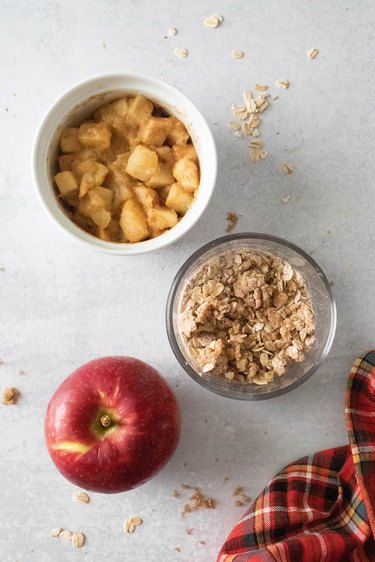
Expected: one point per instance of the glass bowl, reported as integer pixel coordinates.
(322, 300)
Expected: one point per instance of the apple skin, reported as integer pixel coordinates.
(144, 428)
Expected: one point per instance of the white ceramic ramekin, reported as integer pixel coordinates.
(81, 101)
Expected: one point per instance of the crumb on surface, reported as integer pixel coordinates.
(232, 220)
(198, 501)
(11, 395)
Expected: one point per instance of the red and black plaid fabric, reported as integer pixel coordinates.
(320, 508)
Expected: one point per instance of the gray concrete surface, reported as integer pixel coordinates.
(62, 304)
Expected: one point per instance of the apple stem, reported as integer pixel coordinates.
(105, 420)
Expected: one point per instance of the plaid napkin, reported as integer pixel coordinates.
(320, 508)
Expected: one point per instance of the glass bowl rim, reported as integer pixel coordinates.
(169, 316)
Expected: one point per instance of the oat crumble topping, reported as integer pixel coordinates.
(246, 315)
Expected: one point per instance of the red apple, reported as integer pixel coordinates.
(112, 424)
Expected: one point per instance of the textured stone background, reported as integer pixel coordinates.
(62, 304)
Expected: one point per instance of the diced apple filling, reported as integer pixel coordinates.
(142, 163)
(95, 135)
(129, 173)
(179, 199)
(133, 221)
(162, 217)
(186, 173)
(66, 183)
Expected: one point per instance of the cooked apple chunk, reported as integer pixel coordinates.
(155, 130)
(179, 134)
(133, 221)
(95, 135)
(101, 197)
(101, 217)
(65, 162)
(162, 177)
(146, 196)
(66, 183)
(97, 170)
(186, 173)
(87, 182)
(142, 163)
(188, 150)
(69, 141)
(164, 153)
(140, 108)
(161, 218)
(179, 199)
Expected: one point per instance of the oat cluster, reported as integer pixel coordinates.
(76, 539)
(246, 315)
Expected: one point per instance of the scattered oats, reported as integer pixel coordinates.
(78, 540)
(237, 54)
(287, 168)
(312, 53)
(256, 133)
(131, 523)
(172, 31)
(240, 112)
(261, 87)
(238, 134)
(11, 396)
(284, 84)
(56, 532)
(256, 144)
(213, 21)
(232, 220)
(180, 53)
(254, 154)
(263, 154)
(234, 125)
(285, 199)
(66, 535)
(81, 497)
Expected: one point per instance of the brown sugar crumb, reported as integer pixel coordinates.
(243, 499)
(238, 491)
(187, 487)
(178, 549)
(246, 315)
(198, 501)
(11, 395)
(226, 478)
(176, 494)
(189, 530)
(232, 220)
(201, 542)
